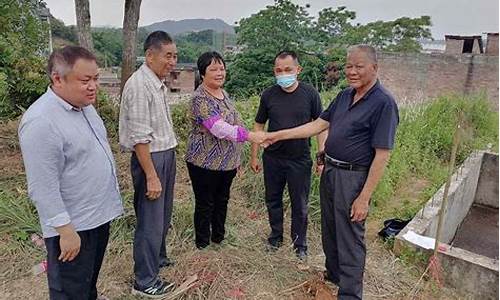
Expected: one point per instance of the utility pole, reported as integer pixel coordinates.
(44, 14)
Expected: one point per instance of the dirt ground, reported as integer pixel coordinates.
(239, 269)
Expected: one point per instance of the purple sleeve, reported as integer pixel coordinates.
(223, 130)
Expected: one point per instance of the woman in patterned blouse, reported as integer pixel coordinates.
(214, 149)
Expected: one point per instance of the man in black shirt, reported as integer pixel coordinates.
(288, 103)
(362, 124)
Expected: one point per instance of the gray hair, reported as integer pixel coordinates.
(61, 61)
(156, 39)
(368, 50)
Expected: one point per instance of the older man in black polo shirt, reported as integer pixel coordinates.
(362, 125)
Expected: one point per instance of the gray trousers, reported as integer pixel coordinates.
(153, 217)
(343, 240)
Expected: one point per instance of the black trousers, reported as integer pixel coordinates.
(211, 192)
(153, 217)
(343, 240)
(297, 174)
(76, 279)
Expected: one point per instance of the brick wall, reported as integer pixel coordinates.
(454, 46)
(492, 45)
(415, 77)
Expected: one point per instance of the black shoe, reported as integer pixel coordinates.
(274, 244)
(201, 247)
(166, 262)
(218, 241)
(158, 290)
(327, 277)
(301, 253)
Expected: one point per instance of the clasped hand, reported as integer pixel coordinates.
(264, 139)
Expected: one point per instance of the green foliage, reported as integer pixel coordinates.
(108, 43)
(23, 44)
(413, 257)
(18, 215)
(58, 29)
(424, 140)
(287, 26)
(189, 52)
(109, 111)
(191, 45)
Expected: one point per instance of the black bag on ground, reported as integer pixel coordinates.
(392, 227)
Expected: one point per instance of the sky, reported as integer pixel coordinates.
(458, 17)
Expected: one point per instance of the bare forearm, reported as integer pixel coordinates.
(375, 173)
(144, 158)
(304, 131)
(255, 147)
(321, 137)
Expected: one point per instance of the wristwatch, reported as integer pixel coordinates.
(320, 158)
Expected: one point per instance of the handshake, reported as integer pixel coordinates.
(263, 138)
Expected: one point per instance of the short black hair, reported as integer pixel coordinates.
(285, 53)
(62, 60)
(156, 39)
(206, 59)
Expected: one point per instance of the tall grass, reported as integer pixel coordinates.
(421, 150)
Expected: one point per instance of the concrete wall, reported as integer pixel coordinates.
(460, 198)
(415, 77)
(487, 186)
(469, 273)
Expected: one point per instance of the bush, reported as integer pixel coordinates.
(424, 139)
(22, 62)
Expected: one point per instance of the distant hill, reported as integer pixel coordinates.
(190, 25)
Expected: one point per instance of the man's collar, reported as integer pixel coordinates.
(67, 106)
(369, 92)
(152, 76)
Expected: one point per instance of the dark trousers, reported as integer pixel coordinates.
(297, 174)
(343, 240)
(153, 217)
(76, 279)
(211, 192)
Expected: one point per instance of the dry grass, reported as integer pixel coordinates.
(239, 269)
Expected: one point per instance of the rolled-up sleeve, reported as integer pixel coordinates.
(42, 150)
(138, 117)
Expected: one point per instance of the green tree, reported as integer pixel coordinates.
(23, 46)
(62, 31)
(108, 46)
(282, 26)
(287, 26)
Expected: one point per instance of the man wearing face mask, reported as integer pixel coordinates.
(288, 103)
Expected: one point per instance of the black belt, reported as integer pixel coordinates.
(344, 165)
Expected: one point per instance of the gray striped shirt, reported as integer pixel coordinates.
(69, 165)
(145, 114)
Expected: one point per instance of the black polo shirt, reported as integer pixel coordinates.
(356, 130)
(286, 110)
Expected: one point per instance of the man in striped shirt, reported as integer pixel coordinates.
(146, 130)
